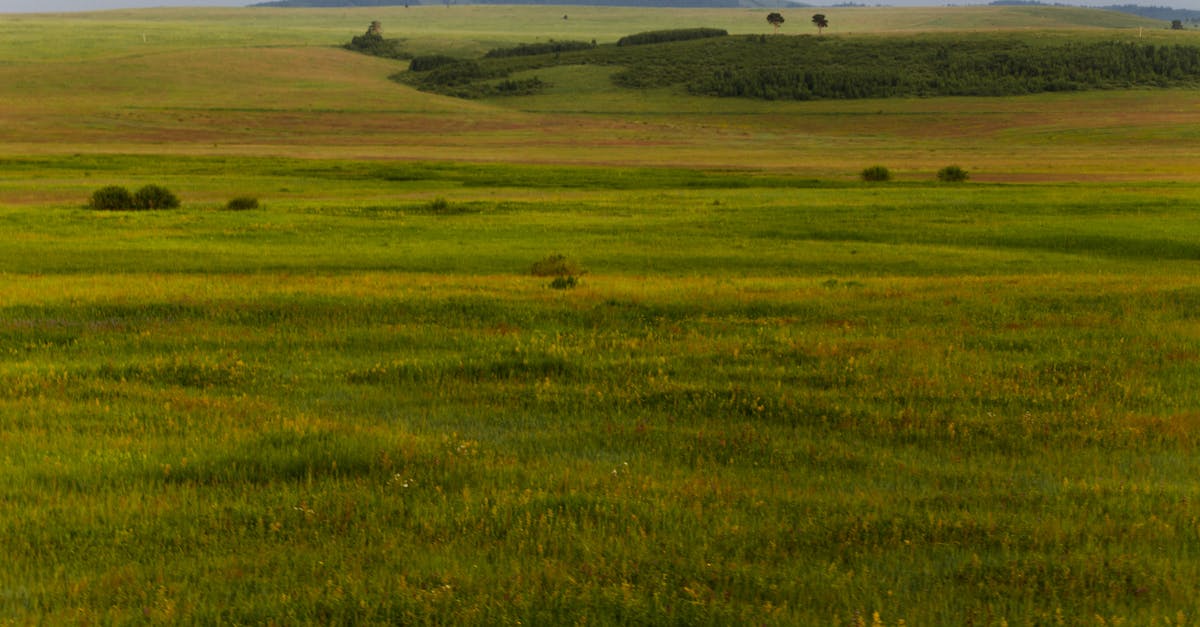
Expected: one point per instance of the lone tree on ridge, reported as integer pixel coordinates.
(776, 20)
(820, 22)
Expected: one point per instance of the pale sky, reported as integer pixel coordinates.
(29, 6)
(52, 6)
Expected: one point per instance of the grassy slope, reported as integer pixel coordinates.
(773, 401)
(175, 92)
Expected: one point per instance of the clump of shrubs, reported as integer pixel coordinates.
(111, 198)
(663, 36)
(373, 43)
(155, 197)
(566, 271)
(876, 174)
(242, 203)
(117, 198)
(429, 62)
(527, 50)
(952, 174)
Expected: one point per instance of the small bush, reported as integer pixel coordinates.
(952, 174)
(556, 265)
(876, 174)
(242, 203)
(112, 198)
(155, 197)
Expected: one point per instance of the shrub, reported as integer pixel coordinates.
(511, 87)
(373, 43)
(663, 36)
(429, 62)
(242, 203)
(155, 197)
(528, 50)
(876, 173)
(457, 73)
(952, 174)
(112, 198)
(556, 265)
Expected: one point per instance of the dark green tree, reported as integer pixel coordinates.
(820, 22)
(776, 20)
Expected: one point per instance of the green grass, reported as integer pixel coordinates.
(769, 401)
(777, 395)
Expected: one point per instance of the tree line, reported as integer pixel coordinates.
(866, 70)
(824, 67)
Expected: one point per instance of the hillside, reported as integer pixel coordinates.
(810, 67)
(295, 92)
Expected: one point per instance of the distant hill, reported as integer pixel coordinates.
(380, 3)
(634, 3)
(1165, 14)
(334, 3)
(1156, 13)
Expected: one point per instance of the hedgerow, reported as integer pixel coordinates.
(425, 63)
(528, 50)
(663, 36)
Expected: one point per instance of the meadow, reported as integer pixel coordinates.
(776, 394)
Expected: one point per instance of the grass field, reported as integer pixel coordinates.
(777, 395)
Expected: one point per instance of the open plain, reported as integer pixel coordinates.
(769, 393)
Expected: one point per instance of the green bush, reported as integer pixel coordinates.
(155, 197)
(242, 203)
(528, 50)
(876, 174)
(112, 198)
(425, 63)
(375, 45)
(511, 87)
(663, 36)
(952, 174)
(458, 73)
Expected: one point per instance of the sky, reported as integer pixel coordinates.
(27, 6)
(48, 6)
